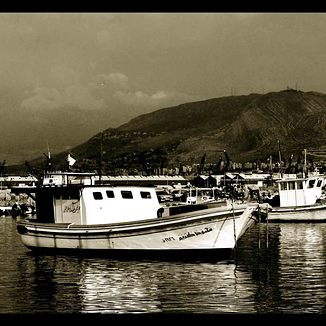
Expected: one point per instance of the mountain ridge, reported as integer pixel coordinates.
(247, 126)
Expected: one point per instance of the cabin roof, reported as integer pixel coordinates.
(297, 179)
(79, 174)
(141, 177)
(62, 188)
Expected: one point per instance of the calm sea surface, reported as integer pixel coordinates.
(287, 277)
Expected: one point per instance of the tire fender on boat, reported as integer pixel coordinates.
(160, 212)
(21, 229)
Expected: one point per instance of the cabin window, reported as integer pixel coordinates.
(319, 183)
(145, 194)
(291, 185)
(97, 195)
(311, 183)
(299, 185)
(110, 194)
(126, 194)
(283, 186)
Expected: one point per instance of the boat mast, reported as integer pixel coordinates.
(101, 157)
(280, 158)
(271, 163)
(2, 169)
(305, 163)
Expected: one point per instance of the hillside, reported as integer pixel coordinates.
(247, 126)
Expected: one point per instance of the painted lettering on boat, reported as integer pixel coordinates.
(168, 239)
(195, 233)
(71, 208)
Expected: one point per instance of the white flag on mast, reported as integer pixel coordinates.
(71, 161)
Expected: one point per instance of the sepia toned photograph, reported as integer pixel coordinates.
(166, 163)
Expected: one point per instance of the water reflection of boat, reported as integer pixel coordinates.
(287, 262)
(78, 216)
(301, 271)
(47, 284)
(155, 287)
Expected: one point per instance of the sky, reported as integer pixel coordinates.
(64, 77)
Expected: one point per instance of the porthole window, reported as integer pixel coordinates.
(145, 194)
(126, 194)
(110, 194)
(97, 195)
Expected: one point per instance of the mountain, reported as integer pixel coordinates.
(248, 127)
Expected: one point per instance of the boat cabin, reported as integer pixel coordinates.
(66, 197)
(200, 195)
(300, 191)
(85, 205)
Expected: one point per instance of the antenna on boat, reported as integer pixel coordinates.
(48, 159)
(47, 144)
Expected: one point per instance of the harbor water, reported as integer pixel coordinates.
(278, 268)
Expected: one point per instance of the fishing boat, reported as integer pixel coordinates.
(75, 215)
(299, 200)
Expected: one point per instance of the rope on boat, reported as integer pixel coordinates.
(267, 226)
(259, 218)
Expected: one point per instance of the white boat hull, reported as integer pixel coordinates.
(312, 213)
(216, 228)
